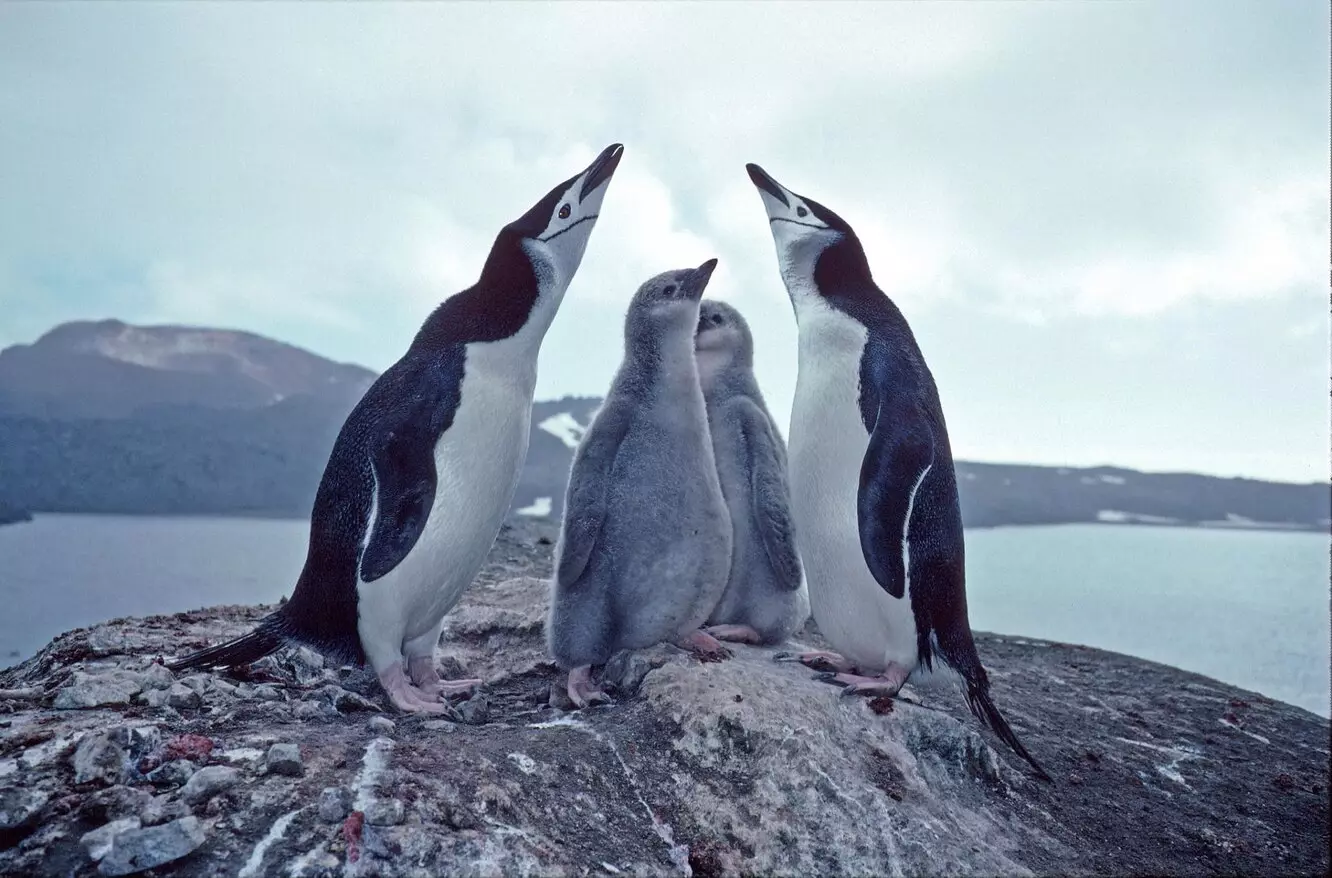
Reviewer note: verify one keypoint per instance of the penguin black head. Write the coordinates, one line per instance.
(723, 332)
(554, 232)
(813, 242)
(669, 301)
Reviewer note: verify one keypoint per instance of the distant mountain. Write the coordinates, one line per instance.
(112, 418)
(109, 369)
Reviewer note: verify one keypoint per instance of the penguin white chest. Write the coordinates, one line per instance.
(478, 460)
(828, 441)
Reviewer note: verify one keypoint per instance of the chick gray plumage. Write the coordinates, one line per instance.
(765, 598)
(646, 541)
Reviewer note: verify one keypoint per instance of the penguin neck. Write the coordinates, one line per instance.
(665, 353)
(837, 277)
(515, 299)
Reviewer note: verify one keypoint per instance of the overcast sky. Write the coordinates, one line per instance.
(1106, 222)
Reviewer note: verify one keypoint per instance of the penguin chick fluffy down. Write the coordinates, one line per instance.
(765, 599)
(645, 545)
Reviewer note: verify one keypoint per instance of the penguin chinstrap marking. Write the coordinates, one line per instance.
(645, 544)
(765, 598)
(874, 491)
(425, 466)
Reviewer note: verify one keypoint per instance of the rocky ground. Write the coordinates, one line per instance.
(111, 765)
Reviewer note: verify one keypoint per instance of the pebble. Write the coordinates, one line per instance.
(284, 759)
(182, 697)
(385, 812)
(344, 701)
(137, 850)
(157, 677)
(334, 803)
(176, 773)
(439, 725)
(312, 710)
(97, 843)
(89, 690)
(162, 809)
(99, 759)
(382, 725)
(113, 803)
(475, 710)
(20, 806)
(208, 782)
(154, 698)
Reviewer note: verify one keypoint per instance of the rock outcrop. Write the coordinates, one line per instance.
(111, 765)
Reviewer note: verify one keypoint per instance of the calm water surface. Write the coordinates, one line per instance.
(1249, 608)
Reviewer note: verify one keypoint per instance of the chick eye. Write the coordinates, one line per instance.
(669, 291)
(800, 211)
(564, 212)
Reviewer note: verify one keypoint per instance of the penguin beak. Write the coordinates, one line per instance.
(698, 280)
(767, 185)
(600, 170)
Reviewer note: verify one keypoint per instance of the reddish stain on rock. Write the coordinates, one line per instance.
(351, 833)
(1284, 781)
(881, 704)
(193, 747)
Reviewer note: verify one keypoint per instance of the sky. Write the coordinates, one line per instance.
(1107, 223)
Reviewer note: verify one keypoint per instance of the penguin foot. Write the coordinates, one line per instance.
(734, 633)
(405, 696)
(427, 679)
(582, 691)
(888, 683)
(703, 645)
(818, 660)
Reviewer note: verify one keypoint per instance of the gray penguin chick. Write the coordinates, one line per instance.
(645, 546)
(765, 599)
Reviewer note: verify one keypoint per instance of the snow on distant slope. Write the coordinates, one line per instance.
(540, 508)
(564, 427)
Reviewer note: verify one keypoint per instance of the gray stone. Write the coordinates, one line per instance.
(162, 809)
(381, 725)
(99, 759)
(20, 807)
(624, 673)
(139, 740)
(334, 804)
(98, 690)
(97, 843)
(154, 698)
(173, 774)
(113, 803)
(208, 782)
(157, 677)
(267, 692)
(284, 759)
(344, 701)
(137, 850)
(200, 683)
(475, 710)
(313, 710)
(182, 697)
(385, 812)
(440, 725)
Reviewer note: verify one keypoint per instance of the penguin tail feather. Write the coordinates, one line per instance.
(978, 699)
(251, 647)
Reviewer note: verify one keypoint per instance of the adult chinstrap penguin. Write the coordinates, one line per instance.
(765, 598)
(646, 540)
(425, 466)
(874, 490)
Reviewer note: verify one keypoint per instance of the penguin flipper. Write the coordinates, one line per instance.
(585, 498)
(402, 462)
(900, 454)
(770, 492)
(404, 493)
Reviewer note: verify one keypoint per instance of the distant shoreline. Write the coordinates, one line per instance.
(21, 517)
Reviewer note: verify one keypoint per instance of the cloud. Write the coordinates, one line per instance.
(328, 173)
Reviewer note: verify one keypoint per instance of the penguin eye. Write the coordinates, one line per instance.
(564, 212)
(800, 211)
(669, 291)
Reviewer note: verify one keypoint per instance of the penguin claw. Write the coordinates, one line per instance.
(785, 657)
(829, 677)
